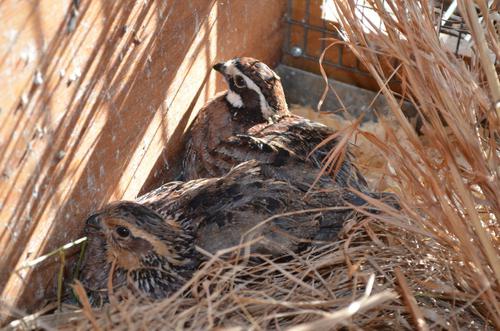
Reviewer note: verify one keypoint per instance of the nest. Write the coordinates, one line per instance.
(432, 265)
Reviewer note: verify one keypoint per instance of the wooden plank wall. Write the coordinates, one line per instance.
(91, 99)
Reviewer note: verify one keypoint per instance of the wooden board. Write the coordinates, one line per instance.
(92, 99)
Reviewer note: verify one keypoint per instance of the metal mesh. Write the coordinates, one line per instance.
(451, 27)
(302, 49)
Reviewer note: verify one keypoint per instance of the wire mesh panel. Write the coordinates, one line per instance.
(453, 31)
(312, 27)
(307, 36)
(309, 33)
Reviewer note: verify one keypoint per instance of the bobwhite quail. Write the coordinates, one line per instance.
(151, 242)
(251, 120)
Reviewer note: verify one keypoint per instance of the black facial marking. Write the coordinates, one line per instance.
(240, 66)
(250, 112)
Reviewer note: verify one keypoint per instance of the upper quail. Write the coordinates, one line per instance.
(251, 120)
(152, 241)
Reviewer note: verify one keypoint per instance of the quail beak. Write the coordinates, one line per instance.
(93, 222)
(219, 67)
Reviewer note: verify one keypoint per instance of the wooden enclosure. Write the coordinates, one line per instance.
(97, 96)
(94, 95)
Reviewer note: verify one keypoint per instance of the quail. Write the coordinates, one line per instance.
(151, 241)
(251, 120)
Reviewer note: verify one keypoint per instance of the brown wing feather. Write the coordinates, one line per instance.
(221, 210)
(217, 144)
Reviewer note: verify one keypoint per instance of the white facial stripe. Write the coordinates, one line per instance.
(234, 99)
(232, 70)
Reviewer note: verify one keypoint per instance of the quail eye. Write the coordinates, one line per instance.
(239, 82)
(122, 231)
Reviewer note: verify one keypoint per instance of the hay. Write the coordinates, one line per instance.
(433, 265)
(371, 162)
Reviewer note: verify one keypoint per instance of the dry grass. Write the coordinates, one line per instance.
(350, 282)
(433, 265)
(371, 162)
(449, 179)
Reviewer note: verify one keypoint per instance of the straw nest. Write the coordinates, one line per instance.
(433, 265)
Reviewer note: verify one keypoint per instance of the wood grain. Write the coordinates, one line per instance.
(96, 100)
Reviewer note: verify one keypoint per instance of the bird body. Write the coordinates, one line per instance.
(249, 167)
(151, 242)
(251, 120)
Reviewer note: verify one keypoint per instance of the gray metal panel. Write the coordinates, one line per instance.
(305, 88)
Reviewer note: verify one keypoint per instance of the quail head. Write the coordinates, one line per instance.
(149, 245)
(144, 252)
(255, 94)
(251, 120)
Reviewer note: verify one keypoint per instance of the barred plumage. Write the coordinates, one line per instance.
(252, 121)
(152, 240)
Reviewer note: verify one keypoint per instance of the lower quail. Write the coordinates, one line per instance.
(151, 241)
